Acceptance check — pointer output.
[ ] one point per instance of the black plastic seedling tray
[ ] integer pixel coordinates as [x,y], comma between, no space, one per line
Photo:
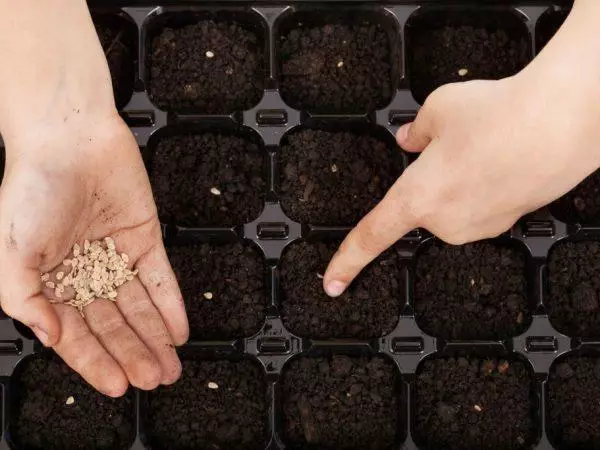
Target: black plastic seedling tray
[529,348]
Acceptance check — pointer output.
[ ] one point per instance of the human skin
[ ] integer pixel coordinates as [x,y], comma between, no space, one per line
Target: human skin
[74,172]
[491,151]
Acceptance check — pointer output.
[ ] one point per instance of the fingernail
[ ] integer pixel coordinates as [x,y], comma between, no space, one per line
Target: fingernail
[41,335]
[335,288]
[402,133]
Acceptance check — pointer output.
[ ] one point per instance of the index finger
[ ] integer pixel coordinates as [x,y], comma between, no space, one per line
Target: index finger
[391,219]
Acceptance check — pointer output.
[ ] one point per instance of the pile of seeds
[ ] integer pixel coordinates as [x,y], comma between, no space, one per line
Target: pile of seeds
[96,271]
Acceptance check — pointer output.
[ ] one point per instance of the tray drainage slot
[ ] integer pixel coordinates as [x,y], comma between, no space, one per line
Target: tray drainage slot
[271,117]
[408,345]
[538,228]
[397,117]
[272,230]
[138,118]
[14,347]
[273,345]
[541,344]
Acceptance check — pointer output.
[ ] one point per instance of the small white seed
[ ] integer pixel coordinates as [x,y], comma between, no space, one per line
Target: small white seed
[477,408]
[60,275]
[45,277]
[340,64]
[463,72]
[319,276]
[209,54]
[213,385]
[70,400]
[334,168]
[215,191]
[50,285]
[208,295]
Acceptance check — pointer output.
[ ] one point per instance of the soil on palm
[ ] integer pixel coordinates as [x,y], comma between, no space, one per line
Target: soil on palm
[319,166]
[547,27]
[215,405]
[574,288]
[223,287]
[336,68]
[118,43]
[202,179]
[369,308]
[474,291]
[342,403]
[574,403]
[57,410]
[441,54]
[208,67]
[460,403]
[581,204]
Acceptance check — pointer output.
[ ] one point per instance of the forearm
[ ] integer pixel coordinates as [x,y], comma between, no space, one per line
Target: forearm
[53,65]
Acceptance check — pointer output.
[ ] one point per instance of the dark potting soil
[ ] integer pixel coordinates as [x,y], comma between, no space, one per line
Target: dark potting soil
[209,67]
[574,403]
[336,68]
[437,55]
[474,291]
[581,204]
[334,178]
[342,403]
[574,288]
[223,287]
[475,404]
[369,308]
[119,48]
[191,415]
[208,179]
[44,420]
[547,27]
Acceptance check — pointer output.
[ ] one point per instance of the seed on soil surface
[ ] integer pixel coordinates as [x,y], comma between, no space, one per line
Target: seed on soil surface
[463,72]
[209,54]
[215,191]
[340,64]
[70,400]
[213,385]
[320,276]
[477,408]
[208,295]
[334,168]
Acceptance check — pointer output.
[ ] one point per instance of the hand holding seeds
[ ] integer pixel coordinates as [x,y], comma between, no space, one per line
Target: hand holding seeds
[491,151]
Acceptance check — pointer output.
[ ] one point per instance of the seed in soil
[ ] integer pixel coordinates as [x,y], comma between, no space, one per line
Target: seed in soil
[474,291]
[310,81]
[186,415]
[57,410]
[574,403]
[463,72]
[187,168]
[369,308]
[548,25]
[95,272]
[213,385]
[456,408]
[437,43]
[581,204]
[309,184]
[235,274]
[185,76]
[319,413]
[118,39]
[574,288]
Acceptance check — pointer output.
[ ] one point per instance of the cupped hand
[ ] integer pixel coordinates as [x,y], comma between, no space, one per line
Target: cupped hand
[491,151]
[85,179]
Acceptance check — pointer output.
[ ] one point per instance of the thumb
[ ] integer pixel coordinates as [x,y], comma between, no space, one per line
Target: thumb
[22,299]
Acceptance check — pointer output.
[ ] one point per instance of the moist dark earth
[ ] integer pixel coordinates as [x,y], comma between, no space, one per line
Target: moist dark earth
[223,287]
[119,47]
[189,415]
[369,308]
[336,68]
[342,403]
[318,167]
[43,420]
[574,287]
[473,404]
[436,55]
[201,179]
[574,403]
[582,204]
[547,27]
[209,67]
[474,291]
